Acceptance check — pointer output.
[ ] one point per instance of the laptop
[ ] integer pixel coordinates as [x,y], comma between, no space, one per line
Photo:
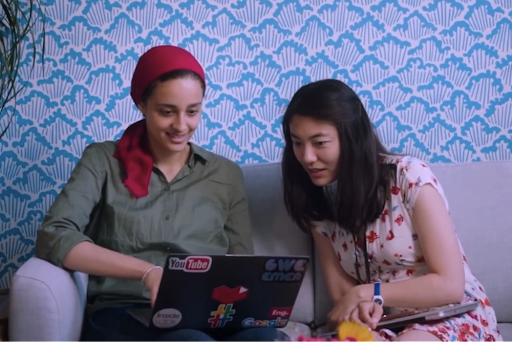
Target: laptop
[225,291]
[400,320]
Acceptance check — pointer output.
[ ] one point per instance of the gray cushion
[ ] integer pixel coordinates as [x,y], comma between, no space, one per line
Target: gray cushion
[273,231]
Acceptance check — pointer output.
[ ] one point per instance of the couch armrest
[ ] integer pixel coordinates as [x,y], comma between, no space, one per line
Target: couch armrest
[46,303]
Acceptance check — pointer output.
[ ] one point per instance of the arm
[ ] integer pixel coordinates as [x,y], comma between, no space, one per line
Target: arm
[338,282]
[61,239]
[238,223]
[445,284]
[92,259]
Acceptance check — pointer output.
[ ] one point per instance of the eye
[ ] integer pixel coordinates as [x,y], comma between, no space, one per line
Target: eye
[321,143]
[165,112]
[295,143]
[193,112]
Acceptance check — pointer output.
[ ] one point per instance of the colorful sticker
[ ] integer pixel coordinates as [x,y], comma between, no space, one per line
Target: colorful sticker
[166,318]
[196,264]
[284,270]
[226,295]
[283,312]
[272,323]
[221,316]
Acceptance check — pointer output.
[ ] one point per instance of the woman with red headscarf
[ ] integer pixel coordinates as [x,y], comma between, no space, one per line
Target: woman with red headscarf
[129,203]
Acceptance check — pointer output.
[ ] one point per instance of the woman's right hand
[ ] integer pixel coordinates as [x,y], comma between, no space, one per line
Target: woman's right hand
[368,313]
[152,282]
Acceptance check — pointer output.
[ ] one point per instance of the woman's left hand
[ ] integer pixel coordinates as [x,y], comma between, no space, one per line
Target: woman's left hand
[368,313]
[343,308]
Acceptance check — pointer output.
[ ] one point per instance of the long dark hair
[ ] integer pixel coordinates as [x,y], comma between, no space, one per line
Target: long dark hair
[363,183]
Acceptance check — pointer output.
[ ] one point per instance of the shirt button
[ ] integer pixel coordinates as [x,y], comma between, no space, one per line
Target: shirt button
[167,217]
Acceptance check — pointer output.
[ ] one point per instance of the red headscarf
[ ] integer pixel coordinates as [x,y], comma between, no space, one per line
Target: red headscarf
[132,150]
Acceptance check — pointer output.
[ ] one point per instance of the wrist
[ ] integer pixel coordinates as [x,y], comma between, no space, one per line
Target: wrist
[364,292]
[139,267]
[148,271]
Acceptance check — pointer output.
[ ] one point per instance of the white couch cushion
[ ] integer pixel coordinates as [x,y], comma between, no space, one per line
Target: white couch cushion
[480,196]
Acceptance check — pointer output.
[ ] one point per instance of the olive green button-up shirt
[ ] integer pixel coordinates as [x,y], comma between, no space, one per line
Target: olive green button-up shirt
[202,210]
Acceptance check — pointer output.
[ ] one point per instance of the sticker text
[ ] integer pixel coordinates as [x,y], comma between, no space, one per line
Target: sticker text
[284,312]
[191,264]
[284,270]
[273,323]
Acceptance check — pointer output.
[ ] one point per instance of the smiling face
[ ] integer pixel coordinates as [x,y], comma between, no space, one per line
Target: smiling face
[173,112]
[316,146]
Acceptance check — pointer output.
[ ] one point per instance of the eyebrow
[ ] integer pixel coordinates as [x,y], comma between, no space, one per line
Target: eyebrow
[170,105]
[314,136]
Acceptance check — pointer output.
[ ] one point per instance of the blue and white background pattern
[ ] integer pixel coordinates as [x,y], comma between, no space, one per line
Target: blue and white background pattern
[435,75]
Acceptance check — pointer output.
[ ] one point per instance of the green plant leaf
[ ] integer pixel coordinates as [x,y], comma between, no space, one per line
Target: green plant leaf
[22,36]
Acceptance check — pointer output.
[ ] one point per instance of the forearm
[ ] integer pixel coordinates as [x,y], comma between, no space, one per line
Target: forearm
[92,259]
[423,292]
[338,282]
[341,286]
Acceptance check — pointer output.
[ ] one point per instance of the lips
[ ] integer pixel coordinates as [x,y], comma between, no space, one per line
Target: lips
[315,171]
[177,139]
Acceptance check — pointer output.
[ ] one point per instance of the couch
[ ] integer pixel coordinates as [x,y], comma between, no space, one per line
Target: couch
[48,303]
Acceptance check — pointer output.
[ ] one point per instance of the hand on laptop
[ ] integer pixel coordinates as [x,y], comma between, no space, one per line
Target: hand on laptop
[152,282]
[368,313]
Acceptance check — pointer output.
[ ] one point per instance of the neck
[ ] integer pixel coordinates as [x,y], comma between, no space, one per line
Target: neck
[169,160]
[330,191]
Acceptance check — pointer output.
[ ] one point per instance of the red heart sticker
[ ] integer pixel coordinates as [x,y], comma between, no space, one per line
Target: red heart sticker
[226,295]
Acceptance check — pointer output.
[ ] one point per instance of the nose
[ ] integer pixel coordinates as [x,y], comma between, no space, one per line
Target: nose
[308,154]
[180,123]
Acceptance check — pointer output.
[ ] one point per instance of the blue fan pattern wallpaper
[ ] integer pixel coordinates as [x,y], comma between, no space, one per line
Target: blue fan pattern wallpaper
[435,75]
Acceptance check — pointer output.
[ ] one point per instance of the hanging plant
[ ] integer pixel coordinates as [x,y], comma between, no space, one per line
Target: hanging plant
[22,35]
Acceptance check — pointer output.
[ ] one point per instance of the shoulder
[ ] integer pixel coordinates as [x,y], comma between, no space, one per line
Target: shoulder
[98,153]
[410,170]
[411,175]
[106,148]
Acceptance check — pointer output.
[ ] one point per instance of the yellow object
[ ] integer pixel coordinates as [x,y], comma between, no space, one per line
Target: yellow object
[353,331]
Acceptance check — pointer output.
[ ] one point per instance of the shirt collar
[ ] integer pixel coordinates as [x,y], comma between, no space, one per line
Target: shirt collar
[200,152]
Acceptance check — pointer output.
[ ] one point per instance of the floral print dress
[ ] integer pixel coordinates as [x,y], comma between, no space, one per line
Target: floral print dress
[395,254]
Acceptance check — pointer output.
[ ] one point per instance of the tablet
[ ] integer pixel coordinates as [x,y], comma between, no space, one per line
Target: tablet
[419,316]
[400,320]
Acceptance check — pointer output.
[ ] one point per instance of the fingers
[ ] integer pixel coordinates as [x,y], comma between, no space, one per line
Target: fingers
[153,297]
[368,313]
[335,319]
[364,314]
[377,313]
[355,316]
[330,320]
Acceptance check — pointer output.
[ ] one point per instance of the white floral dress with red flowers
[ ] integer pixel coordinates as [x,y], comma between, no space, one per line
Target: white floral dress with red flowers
[395,254]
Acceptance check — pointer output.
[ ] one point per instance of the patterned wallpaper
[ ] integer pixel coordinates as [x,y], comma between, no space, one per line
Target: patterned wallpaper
[435,75]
